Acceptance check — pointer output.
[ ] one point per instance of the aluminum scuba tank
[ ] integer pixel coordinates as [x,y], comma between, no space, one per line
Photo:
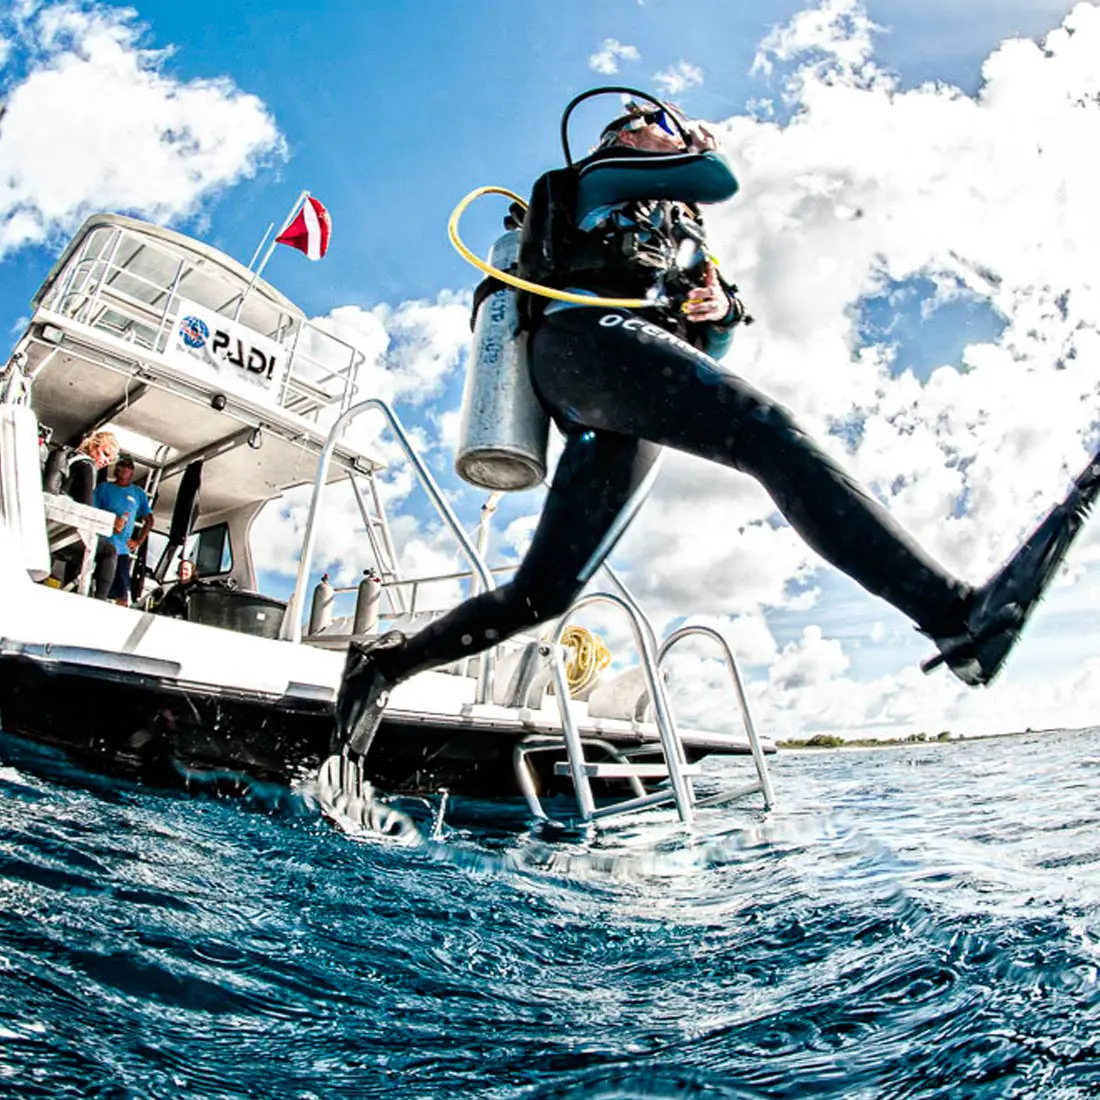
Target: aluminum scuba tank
[320,612]
[504,429]
[368,602]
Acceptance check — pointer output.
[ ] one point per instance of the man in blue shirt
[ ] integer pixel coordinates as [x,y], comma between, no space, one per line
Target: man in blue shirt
[131,505]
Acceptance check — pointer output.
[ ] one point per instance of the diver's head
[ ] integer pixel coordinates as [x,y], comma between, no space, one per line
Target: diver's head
[653,129]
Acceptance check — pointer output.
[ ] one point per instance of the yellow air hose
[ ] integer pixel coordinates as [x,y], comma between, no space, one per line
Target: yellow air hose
[523,284]
[589,657]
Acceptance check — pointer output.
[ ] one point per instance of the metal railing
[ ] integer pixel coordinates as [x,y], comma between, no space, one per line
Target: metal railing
[415,584]
[673,749]
[96,289]
[677,636]
[291,627]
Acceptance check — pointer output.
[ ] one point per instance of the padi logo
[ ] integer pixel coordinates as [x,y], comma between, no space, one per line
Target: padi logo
[193,332]
[223,345]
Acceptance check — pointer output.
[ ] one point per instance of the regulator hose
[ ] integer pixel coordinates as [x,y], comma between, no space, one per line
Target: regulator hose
[524,284]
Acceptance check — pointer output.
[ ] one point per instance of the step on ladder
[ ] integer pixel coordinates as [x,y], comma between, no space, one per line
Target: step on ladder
[679,773]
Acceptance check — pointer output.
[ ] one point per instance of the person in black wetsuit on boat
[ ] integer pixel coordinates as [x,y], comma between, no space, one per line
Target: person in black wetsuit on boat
[622,384]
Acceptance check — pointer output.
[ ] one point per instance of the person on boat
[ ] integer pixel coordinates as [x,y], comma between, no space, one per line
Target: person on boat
[622,384]
[173,600]
[131,507]
[77,478]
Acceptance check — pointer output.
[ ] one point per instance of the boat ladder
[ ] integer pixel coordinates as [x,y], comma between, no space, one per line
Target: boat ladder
[616,765]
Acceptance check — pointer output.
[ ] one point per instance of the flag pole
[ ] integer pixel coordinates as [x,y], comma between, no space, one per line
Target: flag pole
[263,241]
[270,248]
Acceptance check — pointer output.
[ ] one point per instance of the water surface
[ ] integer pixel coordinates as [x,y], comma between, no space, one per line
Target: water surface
[920,921]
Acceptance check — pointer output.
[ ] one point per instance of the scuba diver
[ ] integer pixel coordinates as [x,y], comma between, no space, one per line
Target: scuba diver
[623,383]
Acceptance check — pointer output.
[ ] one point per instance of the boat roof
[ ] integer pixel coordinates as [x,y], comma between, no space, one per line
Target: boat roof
[103,350]
[207,261]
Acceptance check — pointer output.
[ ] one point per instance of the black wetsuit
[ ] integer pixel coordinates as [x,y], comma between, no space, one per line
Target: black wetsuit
[621,385]
[78,482]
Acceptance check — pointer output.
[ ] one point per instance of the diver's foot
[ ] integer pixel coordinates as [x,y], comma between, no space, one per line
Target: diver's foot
[1001,607]
[349,800]
[976,655]
[344,792]
[364,693]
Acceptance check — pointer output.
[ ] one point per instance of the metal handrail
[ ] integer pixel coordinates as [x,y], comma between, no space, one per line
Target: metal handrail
[731,663]
[96,289]
[537,742]
[670,739]
[291,627]
[464,576]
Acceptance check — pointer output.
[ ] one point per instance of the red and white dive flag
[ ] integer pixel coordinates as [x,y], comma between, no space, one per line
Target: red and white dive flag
[309,231]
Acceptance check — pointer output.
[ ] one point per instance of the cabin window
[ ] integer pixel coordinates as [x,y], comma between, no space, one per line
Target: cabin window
[210,550]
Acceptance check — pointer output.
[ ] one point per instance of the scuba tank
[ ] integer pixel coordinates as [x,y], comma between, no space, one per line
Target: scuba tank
[368,602]
[320,612]
[504,429]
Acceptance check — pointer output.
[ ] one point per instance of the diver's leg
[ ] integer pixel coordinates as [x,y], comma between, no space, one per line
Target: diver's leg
[613,371]
[595,477]
[619,373]
[106,565]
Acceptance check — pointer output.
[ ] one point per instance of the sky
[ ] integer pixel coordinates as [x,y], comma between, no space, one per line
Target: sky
[916,234]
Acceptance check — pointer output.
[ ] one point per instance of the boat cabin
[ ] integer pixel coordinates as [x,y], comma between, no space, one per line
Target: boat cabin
[196,365]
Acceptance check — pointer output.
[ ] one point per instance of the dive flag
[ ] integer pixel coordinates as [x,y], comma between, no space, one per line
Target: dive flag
[309,231]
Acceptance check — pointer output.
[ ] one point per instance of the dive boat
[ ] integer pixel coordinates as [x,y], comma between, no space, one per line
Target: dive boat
[229,397]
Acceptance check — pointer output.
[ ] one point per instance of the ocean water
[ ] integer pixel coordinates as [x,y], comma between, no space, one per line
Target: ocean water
[920,921]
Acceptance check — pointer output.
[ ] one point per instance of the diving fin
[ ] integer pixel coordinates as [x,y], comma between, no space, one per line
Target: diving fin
[1000,608]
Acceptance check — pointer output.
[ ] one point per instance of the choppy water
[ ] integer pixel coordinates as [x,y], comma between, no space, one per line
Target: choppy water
[922,921]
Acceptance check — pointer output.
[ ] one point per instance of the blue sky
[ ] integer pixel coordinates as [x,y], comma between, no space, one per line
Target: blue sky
[392,112]
[883,170]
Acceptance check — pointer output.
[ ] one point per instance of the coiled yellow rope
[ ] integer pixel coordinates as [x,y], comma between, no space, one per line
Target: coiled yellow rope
[589,657]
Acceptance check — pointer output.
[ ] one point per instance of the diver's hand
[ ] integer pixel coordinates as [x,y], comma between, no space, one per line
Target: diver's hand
[707,303]
[702,140]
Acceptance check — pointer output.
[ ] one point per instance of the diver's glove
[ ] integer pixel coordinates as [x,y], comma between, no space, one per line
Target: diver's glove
[737,314]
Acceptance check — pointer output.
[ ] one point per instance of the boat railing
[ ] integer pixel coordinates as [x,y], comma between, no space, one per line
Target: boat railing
[414,584]
[128,286]
[291,628]
[763,785]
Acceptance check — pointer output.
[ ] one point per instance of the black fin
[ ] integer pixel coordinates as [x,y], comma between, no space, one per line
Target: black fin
[1002,606]
[364,692]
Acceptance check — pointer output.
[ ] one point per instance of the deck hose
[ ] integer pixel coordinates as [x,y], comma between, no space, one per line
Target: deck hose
[588,657]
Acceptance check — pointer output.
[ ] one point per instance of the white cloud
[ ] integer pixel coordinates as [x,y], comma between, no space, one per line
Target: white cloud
[678,78]
[95,122]
[838,32]
[606,59]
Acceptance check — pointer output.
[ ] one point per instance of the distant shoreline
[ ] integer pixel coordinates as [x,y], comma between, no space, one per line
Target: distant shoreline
[946,737]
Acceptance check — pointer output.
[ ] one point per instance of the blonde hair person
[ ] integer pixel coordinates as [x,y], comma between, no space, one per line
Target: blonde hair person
[101,448]
[96,451]
[78,481]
